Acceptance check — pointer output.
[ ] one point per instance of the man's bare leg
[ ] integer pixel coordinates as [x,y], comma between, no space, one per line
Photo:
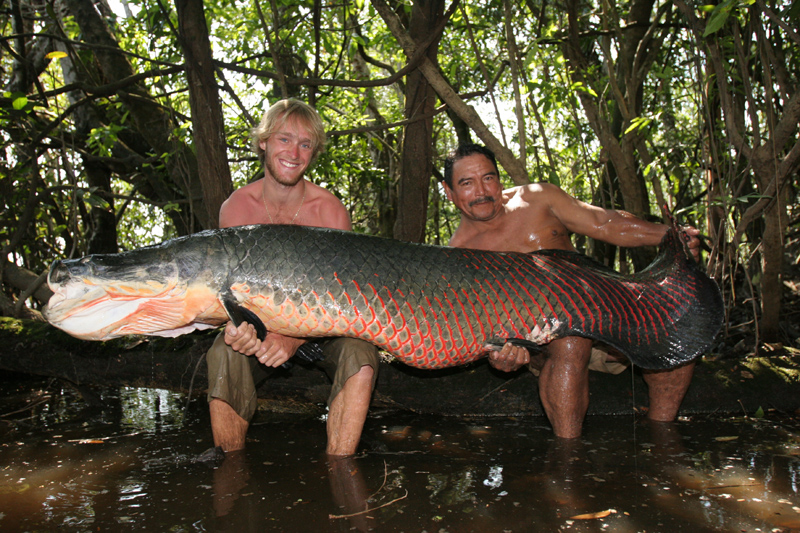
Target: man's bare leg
[666,389]
[348,412]
[228,428]
[564,385]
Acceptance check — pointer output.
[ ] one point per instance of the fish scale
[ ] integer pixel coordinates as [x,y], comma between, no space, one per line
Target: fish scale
[429,306]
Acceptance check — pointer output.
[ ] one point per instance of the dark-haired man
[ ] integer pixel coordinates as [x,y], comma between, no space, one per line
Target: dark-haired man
[542,216]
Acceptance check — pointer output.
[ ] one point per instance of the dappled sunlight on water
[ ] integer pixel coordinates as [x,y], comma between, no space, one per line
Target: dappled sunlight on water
[129,464]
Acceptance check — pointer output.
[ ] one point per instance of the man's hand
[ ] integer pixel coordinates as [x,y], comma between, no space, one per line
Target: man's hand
[242,339]
[276,349]
[509,358]
[273,351]
[690,235]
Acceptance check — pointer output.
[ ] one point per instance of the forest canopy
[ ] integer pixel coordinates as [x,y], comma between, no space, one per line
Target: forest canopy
[126,123]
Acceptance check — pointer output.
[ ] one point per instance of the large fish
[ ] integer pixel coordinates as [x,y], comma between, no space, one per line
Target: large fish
[429,306]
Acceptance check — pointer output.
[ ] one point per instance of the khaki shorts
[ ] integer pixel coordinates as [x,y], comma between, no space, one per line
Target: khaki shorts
[232,376]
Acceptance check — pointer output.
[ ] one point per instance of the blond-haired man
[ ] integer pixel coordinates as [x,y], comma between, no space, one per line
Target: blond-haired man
[288,140]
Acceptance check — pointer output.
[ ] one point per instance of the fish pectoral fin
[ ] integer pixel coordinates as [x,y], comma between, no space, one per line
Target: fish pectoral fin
[239,314]
[310,352]
[497,343]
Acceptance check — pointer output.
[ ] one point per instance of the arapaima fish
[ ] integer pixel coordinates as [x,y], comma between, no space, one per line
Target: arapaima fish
[429,306]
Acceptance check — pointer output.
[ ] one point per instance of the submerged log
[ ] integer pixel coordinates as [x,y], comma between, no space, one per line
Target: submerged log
[721,384]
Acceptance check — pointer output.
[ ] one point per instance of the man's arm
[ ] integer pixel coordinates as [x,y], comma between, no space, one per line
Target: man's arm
[609,225]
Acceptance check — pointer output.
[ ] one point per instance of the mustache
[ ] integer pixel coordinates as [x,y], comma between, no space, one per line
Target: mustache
[482,200]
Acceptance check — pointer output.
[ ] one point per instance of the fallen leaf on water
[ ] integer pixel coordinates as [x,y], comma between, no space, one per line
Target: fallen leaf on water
[592,516]
[16,488]
[726,439]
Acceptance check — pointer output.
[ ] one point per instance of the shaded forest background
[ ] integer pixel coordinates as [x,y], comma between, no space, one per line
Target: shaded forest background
[127,123]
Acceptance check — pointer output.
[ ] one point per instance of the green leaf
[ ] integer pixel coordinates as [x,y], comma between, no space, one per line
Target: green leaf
[716,22]
[759,413]
[19,103]
[638,123]
[96,201]
[719,16]
[554,178]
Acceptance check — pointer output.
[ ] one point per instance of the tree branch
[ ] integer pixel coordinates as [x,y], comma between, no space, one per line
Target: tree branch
[450,97]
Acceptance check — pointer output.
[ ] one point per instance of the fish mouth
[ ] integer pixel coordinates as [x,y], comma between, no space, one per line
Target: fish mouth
[88,312]
[70,299]
[99,312]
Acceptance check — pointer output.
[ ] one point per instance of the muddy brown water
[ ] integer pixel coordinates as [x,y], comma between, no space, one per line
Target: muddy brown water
[128,465]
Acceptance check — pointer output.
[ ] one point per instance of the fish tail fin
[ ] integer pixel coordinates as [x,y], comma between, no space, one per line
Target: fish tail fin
[694,330]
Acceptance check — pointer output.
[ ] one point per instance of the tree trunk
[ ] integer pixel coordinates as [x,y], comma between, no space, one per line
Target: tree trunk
[417,157]
[103,237]
[102,223]
[207,120]
[627,150]
[772,268]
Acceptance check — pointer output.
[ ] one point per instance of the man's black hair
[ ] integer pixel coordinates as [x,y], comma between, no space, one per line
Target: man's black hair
[461,152]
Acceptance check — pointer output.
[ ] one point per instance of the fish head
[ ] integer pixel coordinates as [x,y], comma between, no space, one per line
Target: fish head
[142,292]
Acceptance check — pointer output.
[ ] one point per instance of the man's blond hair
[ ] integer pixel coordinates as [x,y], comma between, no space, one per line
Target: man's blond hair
[277,115]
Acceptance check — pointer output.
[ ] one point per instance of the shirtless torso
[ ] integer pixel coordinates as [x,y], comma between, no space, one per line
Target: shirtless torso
[526,225]
[313,206]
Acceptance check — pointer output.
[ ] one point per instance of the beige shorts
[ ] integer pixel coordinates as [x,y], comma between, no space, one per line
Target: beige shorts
[232,376]
[599,361]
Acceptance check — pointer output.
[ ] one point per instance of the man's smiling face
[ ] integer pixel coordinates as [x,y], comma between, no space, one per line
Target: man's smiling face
[477,191]
[288,152]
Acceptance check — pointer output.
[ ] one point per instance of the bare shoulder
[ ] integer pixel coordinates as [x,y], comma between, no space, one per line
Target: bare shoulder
[245,193]
[539,189]
[533,196]
[242,207]
[321,194]
[325,209]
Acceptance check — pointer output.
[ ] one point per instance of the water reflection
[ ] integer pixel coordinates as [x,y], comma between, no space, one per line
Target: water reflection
[349,491]
[230,478]
[151,409]
[131,466]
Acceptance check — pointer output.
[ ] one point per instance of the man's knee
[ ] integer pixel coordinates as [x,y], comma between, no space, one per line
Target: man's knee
[363,377]
[350,361]
[573,351]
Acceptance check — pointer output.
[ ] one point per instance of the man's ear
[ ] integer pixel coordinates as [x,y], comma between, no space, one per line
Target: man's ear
[448,191]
